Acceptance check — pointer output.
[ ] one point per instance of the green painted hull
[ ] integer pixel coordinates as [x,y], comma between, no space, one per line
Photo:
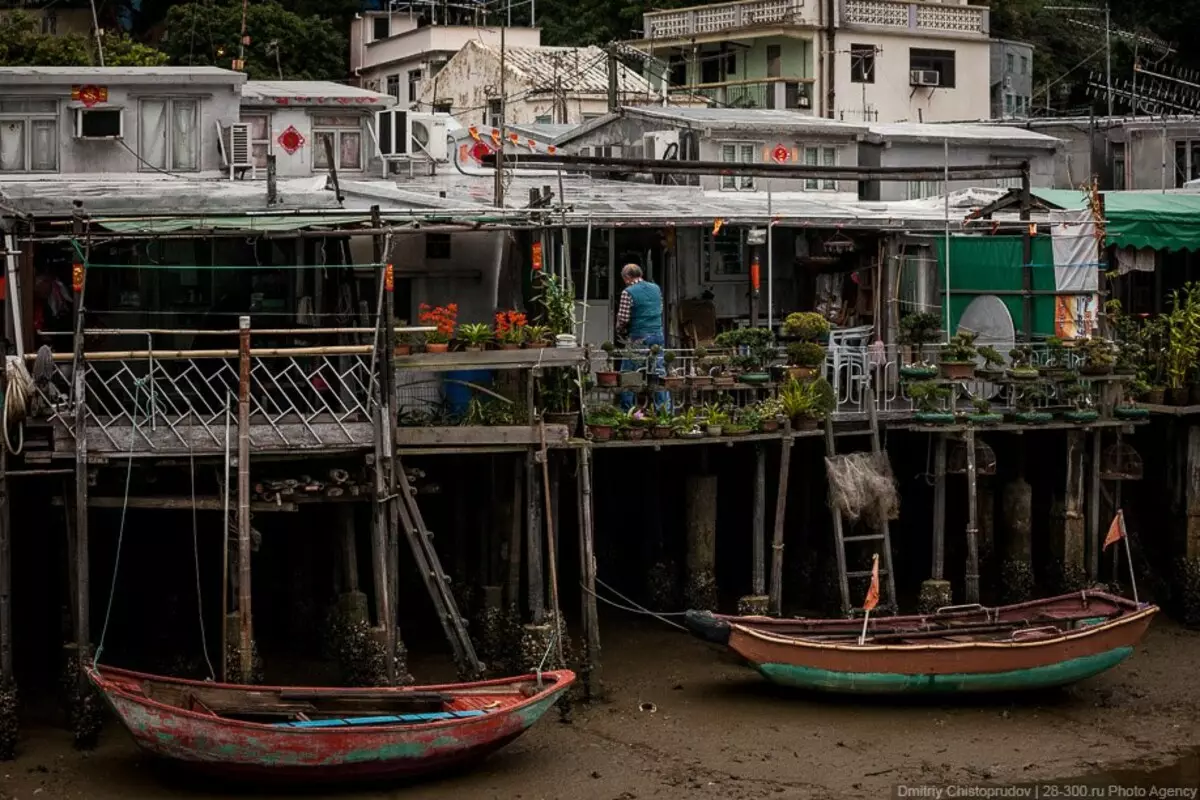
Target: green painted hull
[1042,677]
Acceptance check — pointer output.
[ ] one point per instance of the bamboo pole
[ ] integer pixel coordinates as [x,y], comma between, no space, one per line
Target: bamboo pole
[550,543]
[225,551]
[785,458]
[246,659]
[971,578]
[82,590]
[167,355]
[387,368]
[255,332]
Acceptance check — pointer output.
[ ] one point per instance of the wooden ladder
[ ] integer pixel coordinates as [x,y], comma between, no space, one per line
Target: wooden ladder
[840,540]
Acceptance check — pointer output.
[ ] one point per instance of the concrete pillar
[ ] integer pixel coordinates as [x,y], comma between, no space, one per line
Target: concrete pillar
[701,510]
[985,514]
[1016,567]
[1068,540]
[1189,569]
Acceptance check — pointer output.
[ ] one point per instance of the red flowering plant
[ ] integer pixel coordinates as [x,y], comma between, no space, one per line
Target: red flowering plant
[443,318]
[510,327]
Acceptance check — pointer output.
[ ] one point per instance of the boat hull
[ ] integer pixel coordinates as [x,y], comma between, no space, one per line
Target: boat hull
[263,753]
[978,666]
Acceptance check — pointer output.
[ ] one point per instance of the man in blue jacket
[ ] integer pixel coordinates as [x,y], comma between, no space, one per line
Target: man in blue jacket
[640,322]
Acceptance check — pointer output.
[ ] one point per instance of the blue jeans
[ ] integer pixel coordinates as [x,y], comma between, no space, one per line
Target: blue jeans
[662,399]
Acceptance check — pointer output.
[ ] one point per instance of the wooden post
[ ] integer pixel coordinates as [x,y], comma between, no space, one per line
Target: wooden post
[971,581]
[587,572]
[1069,549]
[939,507]
[6,637]
[349,548]
[1091,544]
[387,440]
[512,586]
[245,653]
[533,522]
[551,550]
[785,459]
[82,582]
[839,542]
[759,532]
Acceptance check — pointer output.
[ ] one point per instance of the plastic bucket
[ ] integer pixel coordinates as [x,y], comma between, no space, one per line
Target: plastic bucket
[458,396]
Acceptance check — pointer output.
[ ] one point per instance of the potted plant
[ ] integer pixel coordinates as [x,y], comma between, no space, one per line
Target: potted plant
[474,335]
[1128,408]
[715,419]
[1026,396]
[701,376]
[444,319]
[807,326]
[743,421]
[770,414]
[1056,359]
[673,379]
[404,344]
[723,378]
[916,331]
[603,422]
[804,359]
[560,391]
[663,424]
[1022,368]
[637,423]
[1182,329]
[687,424]
[510,329]
[1099,356]
[928,398]
[1080,399]
[983,414]
[806,403]
[993,364]
[608,376]
[958,357]
[539,336]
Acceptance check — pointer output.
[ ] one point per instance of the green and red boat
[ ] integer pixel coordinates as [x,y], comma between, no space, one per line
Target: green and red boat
[295,734]
[1039,644]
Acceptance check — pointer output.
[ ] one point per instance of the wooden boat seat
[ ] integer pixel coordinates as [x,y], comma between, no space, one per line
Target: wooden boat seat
[391,719]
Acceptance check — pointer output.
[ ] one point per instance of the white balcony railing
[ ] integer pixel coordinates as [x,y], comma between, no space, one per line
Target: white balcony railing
[918,17]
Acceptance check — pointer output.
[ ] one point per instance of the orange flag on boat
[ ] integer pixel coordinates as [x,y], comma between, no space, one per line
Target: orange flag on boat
[873,592]
[1116,531]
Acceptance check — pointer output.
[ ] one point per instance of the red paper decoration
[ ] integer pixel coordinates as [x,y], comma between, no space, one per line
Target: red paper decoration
[290,140]
[781,154]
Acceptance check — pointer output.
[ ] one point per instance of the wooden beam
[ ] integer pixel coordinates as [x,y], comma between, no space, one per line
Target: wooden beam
[494,359]
[587,568]
[939,507]
[469,435]
[759,531]
[785,458]
[971,581]
[186,503]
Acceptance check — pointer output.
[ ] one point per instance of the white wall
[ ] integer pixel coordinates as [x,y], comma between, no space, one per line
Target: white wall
[893,99]
[300,163]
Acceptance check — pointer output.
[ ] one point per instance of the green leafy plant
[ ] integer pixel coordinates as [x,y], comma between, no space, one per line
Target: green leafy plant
[981,405]
[928,396]
[1098,352]
[604,415]
[669,361]
[961,349]
[805,354]
[993,359]
[557,301]
[688,421]
[1056,352]
[1028,395]
[920,327]
[474,334]
[771,408]
[809,399]
[806,325]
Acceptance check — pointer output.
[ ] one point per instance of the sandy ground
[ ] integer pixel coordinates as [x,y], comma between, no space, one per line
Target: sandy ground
[720,731]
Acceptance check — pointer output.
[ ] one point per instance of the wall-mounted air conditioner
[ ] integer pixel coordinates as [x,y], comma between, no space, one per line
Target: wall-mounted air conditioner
[394,132]
[429,136]
[99,123]
[924,77]
[238,154]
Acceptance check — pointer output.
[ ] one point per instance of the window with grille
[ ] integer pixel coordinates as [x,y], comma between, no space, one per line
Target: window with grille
[918,190]
[940,61]
[738,153]
[260,137]
[862,63]
[345,136]
[28,135]
[821,157]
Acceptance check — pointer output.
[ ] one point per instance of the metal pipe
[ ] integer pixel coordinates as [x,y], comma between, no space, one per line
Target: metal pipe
[246,659]
[254,332]
[770,266]
[225,549]
[587,276]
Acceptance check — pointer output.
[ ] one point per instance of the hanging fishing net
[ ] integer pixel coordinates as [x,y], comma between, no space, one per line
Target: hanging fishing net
[862,487]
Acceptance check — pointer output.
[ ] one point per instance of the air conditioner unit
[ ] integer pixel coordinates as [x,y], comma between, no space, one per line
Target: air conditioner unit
[99,123]
[803,101]
[429,136]
[238,154]
[394,132]
[924,77]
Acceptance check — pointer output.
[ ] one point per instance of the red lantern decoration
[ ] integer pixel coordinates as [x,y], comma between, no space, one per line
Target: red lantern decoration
[755,275]
[537,255]
[77,277]
[389,278]
[781,154]
[291,140]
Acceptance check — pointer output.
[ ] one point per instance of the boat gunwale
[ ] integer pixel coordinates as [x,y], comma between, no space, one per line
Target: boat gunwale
[1145,610]
[561,680]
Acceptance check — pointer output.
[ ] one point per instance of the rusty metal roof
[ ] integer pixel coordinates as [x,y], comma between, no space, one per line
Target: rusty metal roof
[579,70]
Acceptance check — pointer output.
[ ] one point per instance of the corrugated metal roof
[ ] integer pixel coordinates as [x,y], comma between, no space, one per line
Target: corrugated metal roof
[542,132]
[774,118]
[303,92]
[580,70]
[960,132]
[119,75]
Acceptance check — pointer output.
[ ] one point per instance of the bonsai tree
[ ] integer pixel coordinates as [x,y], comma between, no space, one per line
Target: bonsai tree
[1022,363]
[993,362]
[1076,395]
[1056,353]
[669,359]
[808,326]
[961,349]
[1028,395]
[1099,355]
[920,328]
[805,354]
[928,396]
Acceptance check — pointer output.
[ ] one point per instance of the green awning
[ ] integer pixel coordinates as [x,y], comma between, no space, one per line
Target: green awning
[1135,219]
[264,223]
[1070,199]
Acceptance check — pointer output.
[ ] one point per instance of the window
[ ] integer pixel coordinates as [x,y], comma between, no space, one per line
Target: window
[441,108]
[774,61]
[1118,167]
[543,119]
[738,153]
[99,123]
[414,84]
[50,23]
[940,61]
[28,136]
[710,67]
[437,246]
[677,71]
[824,157]
[168,138]
[1187,161]
[1024,65]
[344,135]
[862,63]
[724,252]
[918,190]
[381,28]
[492,120]
[730,64]
[393,86]
[1008,62]
[260,137]
[1009,108]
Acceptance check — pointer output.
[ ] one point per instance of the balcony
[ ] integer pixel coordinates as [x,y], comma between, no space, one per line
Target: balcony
[793,93]
[945,19]
[725,16]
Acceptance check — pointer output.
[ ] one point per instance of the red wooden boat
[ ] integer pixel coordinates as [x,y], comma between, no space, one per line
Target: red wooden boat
[316,734]
[1050,642]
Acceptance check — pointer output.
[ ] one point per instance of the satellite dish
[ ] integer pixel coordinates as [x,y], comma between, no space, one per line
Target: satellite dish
[988,317]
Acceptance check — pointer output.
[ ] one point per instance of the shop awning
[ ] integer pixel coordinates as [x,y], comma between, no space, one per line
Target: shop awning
[264,223]
[1158,220]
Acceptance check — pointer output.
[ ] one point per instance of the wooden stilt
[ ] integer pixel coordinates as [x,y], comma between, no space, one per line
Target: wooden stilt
[785,459]
[245,632]
[82,581]
[971,582]
[512,586]
[551,555]
[839,538]
[379,544]
[6,640]
[759,530]
[587,572]
[388,463]
[1069,549]
[939,507]
[348,547]
[536,583]
[1094,534]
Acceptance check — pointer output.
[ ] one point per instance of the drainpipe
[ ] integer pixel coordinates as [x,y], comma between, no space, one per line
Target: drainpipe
[820,73]
[831,59]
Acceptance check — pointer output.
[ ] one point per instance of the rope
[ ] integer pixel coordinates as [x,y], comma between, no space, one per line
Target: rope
[212,675]
[16,401]
[112,589]
[661,616]
[549,647]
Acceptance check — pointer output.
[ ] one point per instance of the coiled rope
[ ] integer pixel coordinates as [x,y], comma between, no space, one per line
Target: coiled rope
[16,402]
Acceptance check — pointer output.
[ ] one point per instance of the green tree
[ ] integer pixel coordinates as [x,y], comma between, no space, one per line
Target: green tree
[282,43]
[22,43]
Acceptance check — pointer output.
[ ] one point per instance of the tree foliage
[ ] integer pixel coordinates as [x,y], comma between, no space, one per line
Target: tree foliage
[22,43]
[282,43]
